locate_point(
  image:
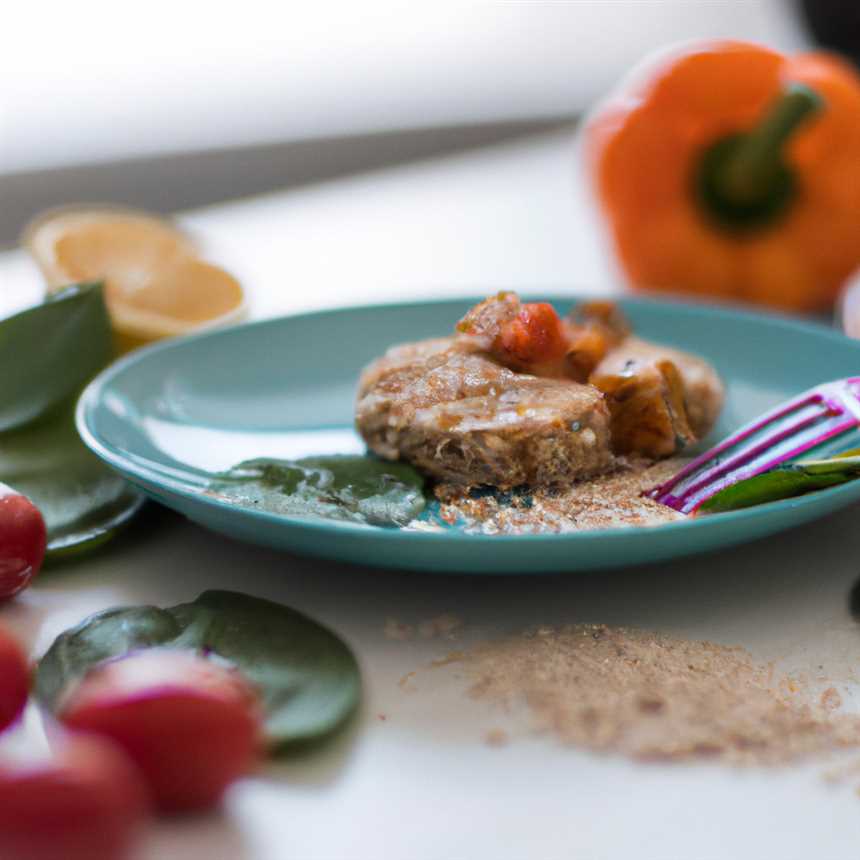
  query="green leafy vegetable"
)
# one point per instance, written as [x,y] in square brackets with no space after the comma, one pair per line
[308,678]
[81,500]
[354,488]
[52,350]
[785,482]
[49,351]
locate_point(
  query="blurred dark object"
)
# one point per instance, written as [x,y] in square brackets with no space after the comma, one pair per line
[854,601]
[834,24]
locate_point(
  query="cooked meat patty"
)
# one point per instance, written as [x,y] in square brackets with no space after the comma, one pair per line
[520,396]
[458,415]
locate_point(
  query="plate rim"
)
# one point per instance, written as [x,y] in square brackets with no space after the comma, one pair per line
[114,457]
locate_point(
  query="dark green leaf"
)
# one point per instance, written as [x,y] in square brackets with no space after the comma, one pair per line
[785,482]
[308,677]
[106,634]
[354,488]
[81,500]
[53,349]
[49,351]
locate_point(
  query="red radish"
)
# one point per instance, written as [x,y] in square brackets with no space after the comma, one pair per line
[192,725]
[14,679]
[23,539]
[87,802]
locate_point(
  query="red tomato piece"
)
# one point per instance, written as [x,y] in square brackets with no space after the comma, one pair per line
[535,335]
[87,802]
[190,724]
[23,539]
[14,680]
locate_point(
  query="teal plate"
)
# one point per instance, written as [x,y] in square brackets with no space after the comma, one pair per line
[169,416]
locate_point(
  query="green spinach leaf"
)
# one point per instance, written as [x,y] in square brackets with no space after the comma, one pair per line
[308,678]
[354,488]
[81,499]
[785,482]
[48,352]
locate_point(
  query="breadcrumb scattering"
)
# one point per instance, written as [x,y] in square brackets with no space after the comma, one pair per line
[653,696]
[609,501]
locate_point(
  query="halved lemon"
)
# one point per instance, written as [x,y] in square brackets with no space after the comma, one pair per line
[155,283]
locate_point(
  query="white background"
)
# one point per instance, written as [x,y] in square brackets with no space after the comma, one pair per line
[91,81]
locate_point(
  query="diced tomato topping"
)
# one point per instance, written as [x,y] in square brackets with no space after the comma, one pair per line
[535,335]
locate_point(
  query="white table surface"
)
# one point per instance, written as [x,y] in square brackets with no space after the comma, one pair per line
[422,784]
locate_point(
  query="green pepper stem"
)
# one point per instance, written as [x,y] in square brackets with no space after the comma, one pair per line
[755,164]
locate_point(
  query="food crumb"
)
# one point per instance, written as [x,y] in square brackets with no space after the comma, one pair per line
[831,700]
[841,772]
[407,682]
[442,625]
[655,697]
[496,738]
[608,501]
[450,657]
[382,717]
[423,526]
[397,630]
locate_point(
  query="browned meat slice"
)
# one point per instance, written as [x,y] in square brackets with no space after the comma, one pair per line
[458,415]
[646,403]
[592,329]
[686,396]
[660,399]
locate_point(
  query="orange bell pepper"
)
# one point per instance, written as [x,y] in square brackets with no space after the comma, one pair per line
[733,171]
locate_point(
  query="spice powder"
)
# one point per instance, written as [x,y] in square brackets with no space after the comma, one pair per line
[653,696]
